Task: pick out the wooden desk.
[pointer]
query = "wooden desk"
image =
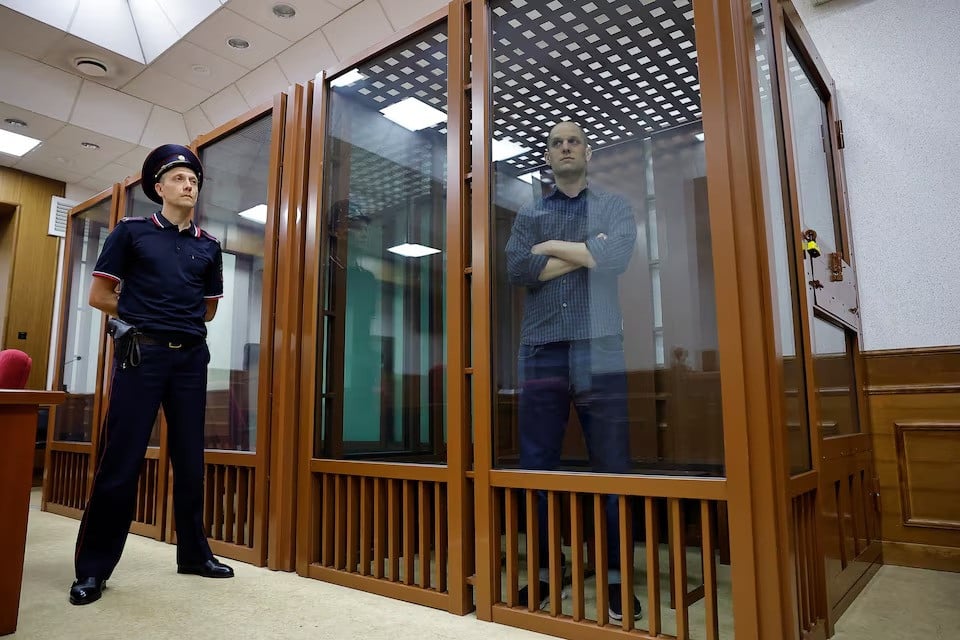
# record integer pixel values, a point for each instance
(18, 428)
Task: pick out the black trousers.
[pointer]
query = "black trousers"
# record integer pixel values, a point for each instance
(177, 380)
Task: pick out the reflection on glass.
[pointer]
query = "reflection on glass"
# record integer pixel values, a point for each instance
(382, 392)
(795, 416)
(811, 143)
(74, 418)
(236, 170)
(604, 299)
(836, 383)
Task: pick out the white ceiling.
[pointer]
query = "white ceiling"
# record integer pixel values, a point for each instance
(190, 88)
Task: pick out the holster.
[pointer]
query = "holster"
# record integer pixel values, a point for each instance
(126, 342)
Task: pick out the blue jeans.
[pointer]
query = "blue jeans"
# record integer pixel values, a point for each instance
(591, 373)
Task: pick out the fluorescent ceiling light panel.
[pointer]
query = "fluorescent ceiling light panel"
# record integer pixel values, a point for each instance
(505, 149)
(15, 144)
(408, 250)
(257, 214)
(347, 79)
(530, 177)
(413, 114)
(699, 136)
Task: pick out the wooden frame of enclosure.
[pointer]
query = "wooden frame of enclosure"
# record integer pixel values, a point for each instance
(366, 525)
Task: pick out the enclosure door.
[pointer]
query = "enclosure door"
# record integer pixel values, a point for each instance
(841, 446)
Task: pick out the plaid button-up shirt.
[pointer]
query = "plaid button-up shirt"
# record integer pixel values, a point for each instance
(584, 303)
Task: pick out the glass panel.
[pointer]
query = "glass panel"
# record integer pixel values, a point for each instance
(232, 207)
(614, 339)
(382, 391)
(836, 383)
(795, 416)
(811, 145)
(83, 338)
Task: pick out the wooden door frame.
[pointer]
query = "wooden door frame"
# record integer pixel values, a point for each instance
(112, 194)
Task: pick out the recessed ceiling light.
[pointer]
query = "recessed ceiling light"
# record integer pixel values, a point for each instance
(699, 136)
(505, 149)
(89, 145)
(91, 67)
(408, 250)
(283, 10)
(413, 114)
(15, 144)
(200, 69)
(238, 43)
(15, 122)
(530, 177)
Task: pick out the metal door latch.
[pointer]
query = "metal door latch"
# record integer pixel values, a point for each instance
(836, 267)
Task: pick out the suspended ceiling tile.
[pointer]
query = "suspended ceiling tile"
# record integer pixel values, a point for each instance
(224, 106)
(38, 126)
(134, 158)
(154, 27)
(56, 14)
(187, 62)
(197, 123)
(54, 170)
(120, 69)
(343, 4)
(358, 29)
(111, 112)
(311, 14)
(307, 58)
(216, 30)
(403, 13)
(35, 86)
(262, 84)
(27, 36)
(186, 14)
(166, 91)
(67, 143)
(164, 127)
(94, 185)
(113, 173)
(109, 24)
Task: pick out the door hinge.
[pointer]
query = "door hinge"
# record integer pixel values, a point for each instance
(840, 143)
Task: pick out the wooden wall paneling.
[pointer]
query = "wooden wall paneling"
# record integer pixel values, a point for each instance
(8, 232)
(33, 275)
(755, 453)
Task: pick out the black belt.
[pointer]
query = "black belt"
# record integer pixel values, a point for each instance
(172, 342)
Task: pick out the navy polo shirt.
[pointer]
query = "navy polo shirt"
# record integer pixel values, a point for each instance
(166, 274)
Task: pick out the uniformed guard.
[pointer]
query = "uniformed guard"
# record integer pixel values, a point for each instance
(169, 274)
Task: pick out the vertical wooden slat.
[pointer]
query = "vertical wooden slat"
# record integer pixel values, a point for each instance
(576, 555)
(814, 563)
(409, 529)
(625, 522)
(600, 544)
(230, 516)
(353, 522)
(242, 505)
(340, 524)
(327, 504)
(678, 552)
(533, 550)
(711, 614)
(219, 501)
(393, 535)
(498, 538)
(653, 566)
(379, 526)
(799, 531)
(424, 496)
(366, 524)
(554, 554)
(512, 535)
(251, 513)
(440, 538)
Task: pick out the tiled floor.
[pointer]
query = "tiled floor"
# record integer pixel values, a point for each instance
(146, 599)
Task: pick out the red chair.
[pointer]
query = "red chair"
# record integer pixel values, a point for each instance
(14, 369)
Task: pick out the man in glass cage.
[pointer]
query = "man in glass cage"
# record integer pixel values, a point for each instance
(170, 278)
(567, 250)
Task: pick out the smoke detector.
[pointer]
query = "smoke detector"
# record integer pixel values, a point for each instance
(91, 67)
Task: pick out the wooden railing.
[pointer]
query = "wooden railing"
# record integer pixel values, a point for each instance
(67, 486)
